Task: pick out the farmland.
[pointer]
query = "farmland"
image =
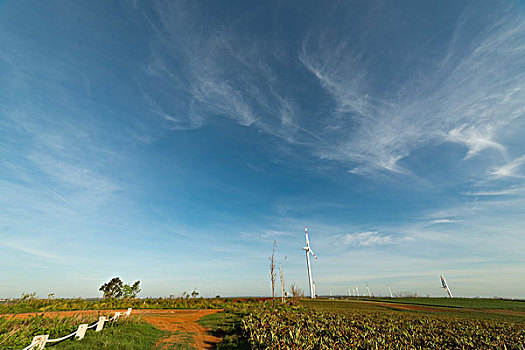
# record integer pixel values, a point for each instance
(420, 323)
(326, 324)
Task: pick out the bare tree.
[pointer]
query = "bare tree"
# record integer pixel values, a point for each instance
(296, 291)
(281, 277)
(272, 269)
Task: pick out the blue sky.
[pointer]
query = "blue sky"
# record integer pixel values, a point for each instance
(172, 142)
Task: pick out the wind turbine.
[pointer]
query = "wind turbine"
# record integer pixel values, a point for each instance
(368, 290)
(444, 285)
(308, 250)
(390, 290)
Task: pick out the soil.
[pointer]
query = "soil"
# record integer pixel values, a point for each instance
(181, 324)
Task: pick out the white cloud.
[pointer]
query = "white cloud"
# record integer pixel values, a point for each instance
(510, 169)
(504, 192)
(443, 221)
(364, 239)
(467, 96)
(266, 235)
(30, 248)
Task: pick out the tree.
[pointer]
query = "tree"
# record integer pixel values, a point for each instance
(28, 296)
(272, 269)
(112, 289)
(296, 291)
(131, 291)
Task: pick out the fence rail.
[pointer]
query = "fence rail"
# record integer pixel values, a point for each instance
(40, 341)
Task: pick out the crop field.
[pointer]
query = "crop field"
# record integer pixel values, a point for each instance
(472, 303)
(262, 324)
(365, 324)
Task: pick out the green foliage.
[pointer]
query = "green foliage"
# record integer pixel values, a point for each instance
(41, 305)
(131, 291)
(18, 333)
(28, 296)
(112, 289)
(226, 325)
(128, 333)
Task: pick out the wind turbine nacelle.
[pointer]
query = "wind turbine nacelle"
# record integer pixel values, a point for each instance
(306, 248)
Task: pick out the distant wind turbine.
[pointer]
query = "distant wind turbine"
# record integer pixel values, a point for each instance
(308, 250)
(390, 290)
(444, 285)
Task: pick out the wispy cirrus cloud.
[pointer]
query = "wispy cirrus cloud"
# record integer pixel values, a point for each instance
(214, 71)
(32, 248)
(511, 169)
(365, 239)
(504, 192)
(383, 105)
(265, 235)
(466, 96)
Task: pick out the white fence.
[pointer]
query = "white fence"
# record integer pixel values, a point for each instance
(40, 341)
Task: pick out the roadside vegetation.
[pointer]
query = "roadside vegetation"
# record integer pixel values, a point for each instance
(129, 333)
(43, 305)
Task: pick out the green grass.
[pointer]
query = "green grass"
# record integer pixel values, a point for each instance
(17, 334)
(132, 335)
(226, 325)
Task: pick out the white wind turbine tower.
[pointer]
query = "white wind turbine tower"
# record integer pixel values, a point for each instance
(308, 250)
(444, 285)
(368, 290)
(390, 290)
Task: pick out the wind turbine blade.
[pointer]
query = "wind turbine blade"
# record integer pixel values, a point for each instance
(311, 251)
(306, 234)
(443, 282)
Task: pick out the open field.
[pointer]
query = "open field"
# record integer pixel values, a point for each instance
(300, 324)
(472, 303)
(484, 309)
(365, 324)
